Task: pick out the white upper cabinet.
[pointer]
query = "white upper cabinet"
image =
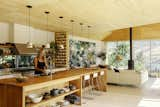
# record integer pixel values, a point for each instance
(4, 32)
(21, 35)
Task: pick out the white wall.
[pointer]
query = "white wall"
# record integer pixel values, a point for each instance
(20, 34)
(4, 32)
(100, 46)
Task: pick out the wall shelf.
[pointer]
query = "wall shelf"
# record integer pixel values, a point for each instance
(61, 57)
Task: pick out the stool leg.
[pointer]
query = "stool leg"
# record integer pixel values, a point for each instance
(98, 84)
(102, 82)
(86, 91)
(90, 87)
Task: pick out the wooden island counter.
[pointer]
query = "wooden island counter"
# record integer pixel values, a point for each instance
(13, 94)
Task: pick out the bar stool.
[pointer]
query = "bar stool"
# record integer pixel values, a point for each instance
(96, 84)
(95, 81)
(87, 79)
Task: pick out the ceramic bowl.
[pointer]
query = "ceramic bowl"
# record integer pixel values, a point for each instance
(35, 98)
(66, 103)
(72, 87)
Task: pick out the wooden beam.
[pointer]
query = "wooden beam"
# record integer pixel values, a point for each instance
(146, 32)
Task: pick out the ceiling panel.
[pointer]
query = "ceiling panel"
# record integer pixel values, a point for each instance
(103, 15)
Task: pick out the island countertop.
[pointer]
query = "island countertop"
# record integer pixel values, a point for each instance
(13, 94)
(54, 77)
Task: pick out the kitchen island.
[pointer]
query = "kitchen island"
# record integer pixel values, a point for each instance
(13, 94)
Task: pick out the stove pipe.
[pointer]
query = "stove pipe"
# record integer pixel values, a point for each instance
(131, 61)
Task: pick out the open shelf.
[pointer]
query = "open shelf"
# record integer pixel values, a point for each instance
(47, 101)
(61, 58)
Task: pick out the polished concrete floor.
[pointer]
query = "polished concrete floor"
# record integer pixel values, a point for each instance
(124, 96)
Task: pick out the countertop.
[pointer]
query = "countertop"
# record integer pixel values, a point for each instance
(56, 76)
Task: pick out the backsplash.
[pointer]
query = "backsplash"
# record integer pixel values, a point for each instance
(16, 61)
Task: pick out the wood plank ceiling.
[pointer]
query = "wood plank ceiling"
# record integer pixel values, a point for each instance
(103, 15)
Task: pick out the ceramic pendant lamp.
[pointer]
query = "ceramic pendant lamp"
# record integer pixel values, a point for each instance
(48, 44)
(29, 43)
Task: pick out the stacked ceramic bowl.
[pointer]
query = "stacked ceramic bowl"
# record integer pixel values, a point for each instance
(35, 98)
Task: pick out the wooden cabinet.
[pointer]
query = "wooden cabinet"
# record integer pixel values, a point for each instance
(14, 94)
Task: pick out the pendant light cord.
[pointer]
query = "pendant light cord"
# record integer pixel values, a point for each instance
(47, 43)
(81, 28)
(47, 25)
(72, 28)
(72, 21)
(89, 31)
(29, 21)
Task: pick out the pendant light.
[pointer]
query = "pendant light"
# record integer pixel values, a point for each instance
(61, 46)
(29, 43)
(48, 44)
(72, 33)
(81, 24)
(89, 27)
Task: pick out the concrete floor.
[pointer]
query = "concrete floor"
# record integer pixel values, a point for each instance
(123, 96)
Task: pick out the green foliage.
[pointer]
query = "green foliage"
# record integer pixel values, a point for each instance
(123, 50)
(54, 47)
(139, 61)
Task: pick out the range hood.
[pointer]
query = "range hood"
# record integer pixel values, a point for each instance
(21, 49)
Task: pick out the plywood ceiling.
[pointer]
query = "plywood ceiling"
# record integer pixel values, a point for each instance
(103, 15)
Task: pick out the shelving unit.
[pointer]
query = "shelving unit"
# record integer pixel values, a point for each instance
(52, 99)
(61, 56)
(46, 102)
(13, 94)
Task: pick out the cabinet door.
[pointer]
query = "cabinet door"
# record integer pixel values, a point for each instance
(21, 33)
(51, 36)
(4, 32)
(40, 37)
